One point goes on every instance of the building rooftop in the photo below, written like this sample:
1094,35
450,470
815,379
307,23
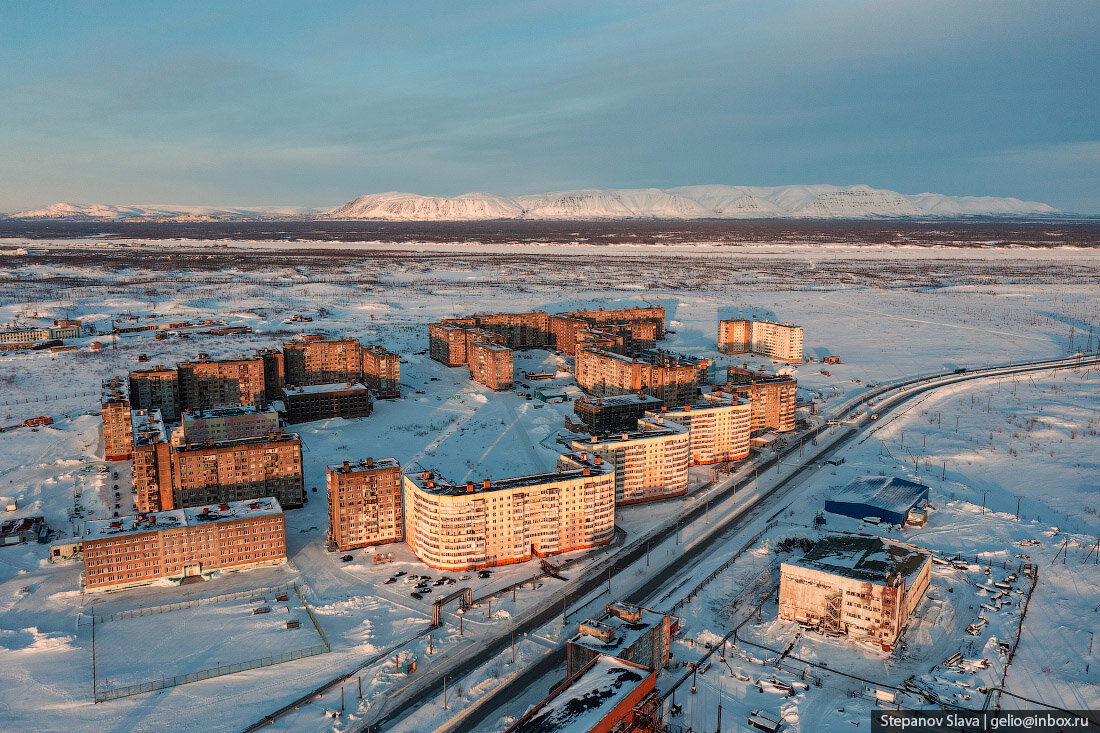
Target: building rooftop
871,559
651,429
492,347
618,401
370,464
175,518
322,388
587,700
115,389
896,495
630,623
253,440
444,487
148,427
217,412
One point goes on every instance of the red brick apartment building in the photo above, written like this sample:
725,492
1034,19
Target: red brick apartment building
364,503
322,361
115,411
135,550
221,383
772,398
603,373
382,372
156,389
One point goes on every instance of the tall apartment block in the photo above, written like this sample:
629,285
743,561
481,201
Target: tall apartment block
156,389
221,383
491,365
780,341
152,462
671,378
718,427
322,401
273,373
228,423
447,344
134,550
322,362
640,327
518,330
613,414
477,525
364,503
772,398
382,372
650,462
114,409
489,359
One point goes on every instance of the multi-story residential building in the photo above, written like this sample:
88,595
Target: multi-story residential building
718,426
865,587
221,383
152,462
273,373
780,341
156,389
564,330
382,372
228,423
238,470
477,525
447,344
519,330
668,377
323,401
114,409
626,632
611,414
71,330
175,544
637,328
364,503
491,365
650,462
322,362
772,397
654,314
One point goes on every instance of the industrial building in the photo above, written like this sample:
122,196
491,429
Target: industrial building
864,587
322,361
613,414
773,398
382,372
718,427
650,462
780,341
890,499
498,522
364,503
324,401
627,632
114,410
181,543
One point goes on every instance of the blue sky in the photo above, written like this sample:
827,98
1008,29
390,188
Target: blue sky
312,104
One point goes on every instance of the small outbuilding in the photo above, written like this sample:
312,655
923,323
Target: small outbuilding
887,497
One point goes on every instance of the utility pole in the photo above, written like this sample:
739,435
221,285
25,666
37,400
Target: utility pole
513,647
444,693
1018,507
983,502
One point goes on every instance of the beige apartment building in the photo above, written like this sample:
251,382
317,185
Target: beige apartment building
719,427
114,410
780,341
322,361
491,365
487,523
382,372
135,550
650,462
773,398
364,503
667,377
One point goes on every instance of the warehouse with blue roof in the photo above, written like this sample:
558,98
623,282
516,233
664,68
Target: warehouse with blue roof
889,498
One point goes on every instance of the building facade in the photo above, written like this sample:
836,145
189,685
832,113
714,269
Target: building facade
221,383
322,362
228,423
114,410
780,341
491,364
324,401
238,470
156,389
136,550
719,427
365,503
382,372
668,377
623,631
488,523
772,397
614,414
650,462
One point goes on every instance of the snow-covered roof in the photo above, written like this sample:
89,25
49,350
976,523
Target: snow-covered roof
322,388
617,400
148,427
893,494
587,700
626,632
175,518
651,430
870,559
354,466
442,486
233,411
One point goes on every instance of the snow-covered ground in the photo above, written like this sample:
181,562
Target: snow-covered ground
1035,438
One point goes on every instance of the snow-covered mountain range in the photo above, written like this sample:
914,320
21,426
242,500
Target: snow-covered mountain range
685,202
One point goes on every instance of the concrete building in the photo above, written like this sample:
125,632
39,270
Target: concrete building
865,587
152,469
614,414
634,328
114,410
273,373
364,503
891,499
382,372
221,383
134,550
518,330
322,362
631,633
447,344
718,426
667,377
491,364
323,401
156,389
487,523
780,341
238,470
773,398
650,462
228,423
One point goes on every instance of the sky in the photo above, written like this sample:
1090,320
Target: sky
313,104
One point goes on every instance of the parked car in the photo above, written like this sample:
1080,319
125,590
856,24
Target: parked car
390,580
347,558
416,595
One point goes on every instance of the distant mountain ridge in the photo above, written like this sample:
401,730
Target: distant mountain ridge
820,201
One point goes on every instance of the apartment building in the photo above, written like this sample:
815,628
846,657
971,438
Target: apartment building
322,361
614,414
634,328
273,373
780,341
447,344
382,372
221,383
487,523
772,397
324,401
228,423
671,378
238,470
654,314
152,468
650,462
518,330
175,544
114,410
156,389
364,503
491,364
718,427
864,587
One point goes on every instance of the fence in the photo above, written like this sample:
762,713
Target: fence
744,548
168,607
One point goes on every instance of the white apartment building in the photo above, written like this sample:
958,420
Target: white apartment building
778,340
650,462
718,426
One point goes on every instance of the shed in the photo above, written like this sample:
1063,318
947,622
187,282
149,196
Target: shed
887,497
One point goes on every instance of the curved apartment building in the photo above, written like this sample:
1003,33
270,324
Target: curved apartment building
650,462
